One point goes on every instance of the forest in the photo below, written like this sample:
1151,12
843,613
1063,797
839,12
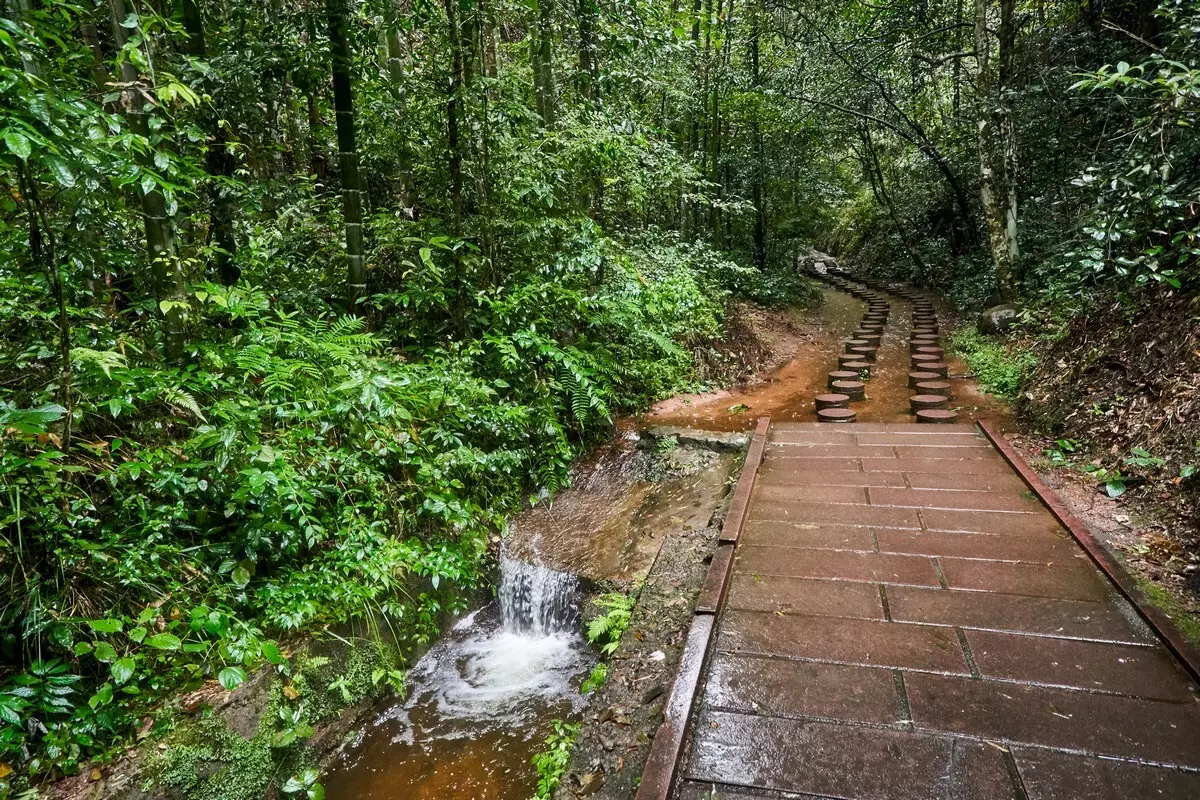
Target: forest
301,299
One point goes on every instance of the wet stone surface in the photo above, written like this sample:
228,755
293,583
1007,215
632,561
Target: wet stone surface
904,620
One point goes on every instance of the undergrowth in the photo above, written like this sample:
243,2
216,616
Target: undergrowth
551,763
303,468
1000,365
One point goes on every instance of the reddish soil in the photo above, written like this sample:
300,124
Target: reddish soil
809,352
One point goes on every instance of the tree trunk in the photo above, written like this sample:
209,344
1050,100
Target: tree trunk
542,57
166,270
343,104
397,83
997,194
217,160
878,183
760,211
453,142
588,79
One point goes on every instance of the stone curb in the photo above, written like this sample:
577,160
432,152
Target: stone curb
659,773
1162,625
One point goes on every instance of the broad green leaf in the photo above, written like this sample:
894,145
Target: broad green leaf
105,625
18,144
104,652
163,641
122,670
232,677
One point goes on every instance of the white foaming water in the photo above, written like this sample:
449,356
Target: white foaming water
536,599
503,672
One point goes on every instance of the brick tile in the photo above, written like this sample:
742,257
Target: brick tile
1147,671
770,593
1106,725
960,439
1048,775
832,760
784,466
832,451
809,494
965,500
707,790
989,521
1070,581
937,465
846,641
846,565
1007,612
818,514
779,428
811,436
978,483
806,534
791,688
912,430
1045,548
984,452
823,477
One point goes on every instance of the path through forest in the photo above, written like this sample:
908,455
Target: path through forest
902,610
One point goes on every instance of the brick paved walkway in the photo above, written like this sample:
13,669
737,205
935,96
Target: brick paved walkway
904,619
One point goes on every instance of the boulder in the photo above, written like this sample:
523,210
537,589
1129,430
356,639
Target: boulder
997,319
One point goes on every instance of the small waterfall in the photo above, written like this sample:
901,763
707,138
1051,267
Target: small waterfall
535,599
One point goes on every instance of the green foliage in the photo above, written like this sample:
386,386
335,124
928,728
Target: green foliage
551,763
606,629
999,365
595,679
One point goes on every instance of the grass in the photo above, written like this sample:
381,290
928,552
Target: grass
1000,366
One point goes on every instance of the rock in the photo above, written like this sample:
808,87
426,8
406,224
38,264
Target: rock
997,319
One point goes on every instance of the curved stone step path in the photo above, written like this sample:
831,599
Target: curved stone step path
904,612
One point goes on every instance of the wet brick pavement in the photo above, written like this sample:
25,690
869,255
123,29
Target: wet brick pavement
905,620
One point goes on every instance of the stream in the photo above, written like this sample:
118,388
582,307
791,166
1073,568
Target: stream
483,699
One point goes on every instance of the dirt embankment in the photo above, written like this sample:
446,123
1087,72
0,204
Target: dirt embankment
1126,376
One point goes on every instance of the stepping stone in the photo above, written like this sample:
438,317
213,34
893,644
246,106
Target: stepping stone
863,368
937,416
833,400
939,368
865,351
867,328
925,331
942,388
920,401
855,390
916,377
872,339
857,341
846,359
930,350
918,345
842,375
835,415
918,359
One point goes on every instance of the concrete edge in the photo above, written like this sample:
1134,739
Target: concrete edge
658,775
741,493
1162,625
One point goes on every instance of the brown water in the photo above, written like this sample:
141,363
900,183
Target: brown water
482,701
787,394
